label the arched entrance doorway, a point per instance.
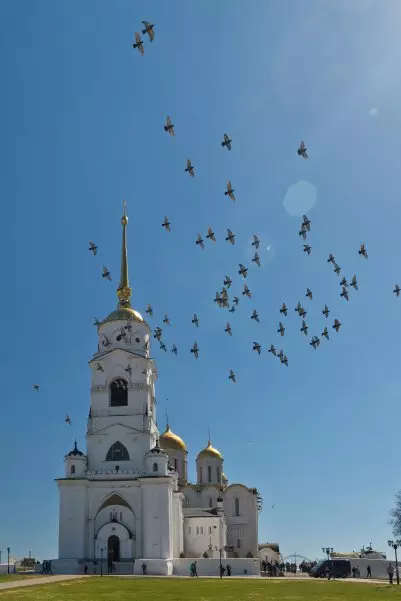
(113, 548)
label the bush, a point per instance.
(205, 555)
(182, 555)
(249, 554)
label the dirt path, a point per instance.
(38, 581)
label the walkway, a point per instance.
(38, 581)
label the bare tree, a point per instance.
(395, 516)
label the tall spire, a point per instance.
(124, 291)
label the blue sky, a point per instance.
(81, 121)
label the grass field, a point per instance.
(20, 576)
(153, 589)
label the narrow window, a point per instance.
(197, 530)
(218, 475)
(236, 506)
(73, 469)
(121, 516)
(175, 464)
(119, 393)
(210, 530)
(201, 529)
(201, 475)
(189, 530)
(209, 473)
(155, 467)
(117, 452)
(238, 543)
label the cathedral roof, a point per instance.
(123, 314)
(210, 451)
(169, 440)
(156, 450)
(75, 451)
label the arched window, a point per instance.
(218, 475)
(209, 473)
(117, 452)
(119, 393)
(201, 475)
(155, 467)
(236, 502)
(73, 469)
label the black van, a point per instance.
(339, 568)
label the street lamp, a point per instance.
(8, 560)
(327, 550)
(395, 545)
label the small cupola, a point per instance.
(156, 461)
(75, 463)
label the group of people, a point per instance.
(223, 570)
(47, 567)
(306, 566)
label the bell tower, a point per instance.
(122, 418)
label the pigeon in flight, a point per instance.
(228, 329)
(230, 190)
(255, 315)
(106, 274)
(256, 241)
(309, 294)
(337, 269)
(344, 282)
(325, 333)
(232, 376)
(174, 349)
(99, 367)
(195, 350)
(256, 347)
(326, 311)
(67, 420)
(96, 322)
(256, 259)
(163, 346)
(92, 247)
(195, 320)
(281, 329)
(227, 281)
(284, 309)
(226, 142)
(169, 127)
(230, 237)
(166, 320)
(190, 168)
(315, 342)
(246, 291)
(397, 290)
(232, 309)
(336, 325)
(354, 282)
(344, 293)
(138, 44)
(362, 251)
(149, 311)
(331, 259)
(243, 270)
(210, 235)
(304, 328)
(235, 300)
(149, 29)
(302, 232)
(158, 333)
(302, 150)
(36, 387)
(307, 249)
(199, 241)
(128, 369)
(166, 224)
(272, 350)
(306, 222)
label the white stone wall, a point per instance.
(72, 524)
(209, 470)
(200, 532)
(211, 567)
(242, 529)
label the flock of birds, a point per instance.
(222, 296)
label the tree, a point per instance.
(395, 516)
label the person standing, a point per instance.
(390, 572)
(368, 572)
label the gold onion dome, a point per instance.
(170, 440)
(210, 452)
(124, 310)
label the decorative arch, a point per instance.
(114, 499)
(117, 452)
(119, 393)
(155, 467)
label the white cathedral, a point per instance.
(128, 499)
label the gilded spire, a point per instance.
(124, 291)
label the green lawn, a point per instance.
(17, 576)
(155, 589)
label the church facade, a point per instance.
(128, 499)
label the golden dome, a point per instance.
(224, 477)
(210, 452)
(123, 314)
(169, 440)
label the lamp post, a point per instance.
(101, 561)
(8, 560)
(327, 550)
(395, 545)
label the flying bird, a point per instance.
(337, 269)
(163, 346)
(354, 282)
(256, 259)
(199, 241)
(128, 369)
(226, 142)
(149, 311)
(227, 281)
(362, 251)
(284, 309)
(230, 190)
(36, 387)
(336, 325)
(331, 259)
(304, 328)
(344, 282)
(195, 320)
(149, 29)
(96, 322)
(315, 342)
(158, 333)
(232, 309)
(166, 320)
(306, 222)
(284, 360)
(106, 274)
(255, 315)
(67, 420)
(235, 300)
(190, 168)
(106, 342)
(138, 43)
(302, 150)
(326, 311)
(217, 298)
(166, 224)
(256, 241)
(325, 333)
(230, 237)
(307, 249)
(280, 355)
(344, 293)
(272, 350)
(210, 235)
(195, 350)
(92, 247)
(256, 347)
(246, 291)
(174, 349)
(280, 329)
(99, 367)
(232, 376)
(309, 294)
(397, 290)
(243, 270)
(302, 232)
(169, 126)
(228, 329)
